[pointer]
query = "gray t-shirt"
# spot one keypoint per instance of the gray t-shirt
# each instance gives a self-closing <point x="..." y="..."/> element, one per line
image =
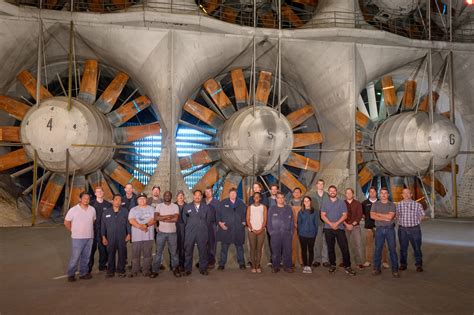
<point x="334" y="211"/>
<point x="143" y="216"/>
<point x="383" y="208"/>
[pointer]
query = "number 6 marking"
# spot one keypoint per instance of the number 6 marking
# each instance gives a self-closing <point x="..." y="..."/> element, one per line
<point x="452" y="139"/>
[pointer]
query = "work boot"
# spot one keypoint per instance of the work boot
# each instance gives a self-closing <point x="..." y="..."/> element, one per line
<point x="87" y="276"/>
<point x="176" y="273"/>
<point x="153" y="275"/>
<point x="316" y="264"/>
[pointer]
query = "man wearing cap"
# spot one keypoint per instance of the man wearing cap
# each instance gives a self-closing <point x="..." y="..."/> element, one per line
<point x="79" y="221"/>
<point x="115" y="233"/>
<point x="231" y="217"/>
<point x="213" y="204"/>
<point x="195" y="218"/>
<point x="142" y="220"/>
<point x="167" y="213"/>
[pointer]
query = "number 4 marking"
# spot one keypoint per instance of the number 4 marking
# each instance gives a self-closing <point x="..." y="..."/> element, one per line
<point x="50" y="124"/>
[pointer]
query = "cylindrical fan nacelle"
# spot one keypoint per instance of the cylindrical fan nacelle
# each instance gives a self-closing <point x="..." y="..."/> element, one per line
<point x="413" y="131"/>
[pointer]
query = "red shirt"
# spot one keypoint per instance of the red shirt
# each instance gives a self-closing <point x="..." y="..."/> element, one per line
<point x="354" y="212"/>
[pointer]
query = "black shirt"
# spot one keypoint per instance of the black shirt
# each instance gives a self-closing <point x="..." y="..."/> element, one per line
<point x="129" y="203"/>
<point x="366" y="207"/>
<point x="99" y="209"/>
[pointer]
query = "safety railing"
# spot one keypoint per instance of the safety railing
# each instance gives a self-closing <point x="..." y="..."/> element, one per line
<point x="463" y="31"/>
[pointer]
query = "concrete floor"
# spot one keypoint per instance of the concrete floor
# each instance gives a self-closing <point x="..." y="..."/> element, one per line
<point x="31" y="259"/>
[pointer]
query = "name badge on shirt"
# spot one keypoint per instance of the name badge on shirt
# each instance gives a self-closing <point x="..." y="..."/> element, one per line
<point x="275" y="214"/>
<point x="189" y="211"/>
<point x="227" y="206"/>
<point x="108" y="216"/>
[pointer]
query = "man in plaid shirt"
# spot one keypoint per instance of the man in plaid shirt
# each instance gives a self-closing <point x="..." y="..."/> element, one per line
<point x="409" y="216"/>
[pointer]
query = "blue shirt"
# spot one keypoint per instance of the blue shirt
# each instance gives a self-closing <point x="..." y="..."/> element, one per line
<point x="308" y="223"/>
<point x="334" y="211"/>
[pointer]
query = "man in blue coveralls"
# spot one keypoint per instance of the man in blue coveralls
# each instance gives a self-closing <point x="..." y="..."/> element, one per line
<point x="195" y="218"/>
<point x="231" y="217"/>
<point x="115" y="233"/>
<point x="213" y="204"/>
<point x="280" y="227"/>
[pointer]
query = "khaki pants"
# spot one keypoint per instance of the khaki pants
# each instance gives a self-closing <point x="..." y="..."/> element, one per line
<point x="256" y="245"/>
<point x="369" y="247"/>
<point x="296" y="249"/>
<point x="356" y="236"/>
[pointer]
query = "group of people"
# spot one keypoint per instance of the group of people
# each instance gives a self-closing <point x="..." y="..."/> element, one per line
<point x="304" y="229"/>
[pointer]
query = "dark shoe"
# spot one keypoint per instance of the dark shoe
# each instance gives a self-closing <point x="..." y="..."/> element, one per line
<point x="395" y="274"/>
<point x="349" y="271"/>
<point x="133" y="275"/>
<point x="102" y="268"/>
<point x="220" y="268"/>
<point x="204" y="272"/>
<point x="341" y="265"/>
<point x="71" y="278"/>
<point x="110" y="275"/>
<point x="210" y="267"/>
<point x="86" y="277"/>
<point x="176" y="273"/>
<point x="316" y="264"/>
<point x="153" y="275"/>
<point x="147" y="274"/>
<point x="242" y="267"/>
<point x="376" y="272"/>
<point x="289" y="270"/>
<point x="275" y="270"/>
<point x="419" y="269"/>
<point x="162" y="267"/>
<point x="326" y="264"/>
<point x="360" y="266"/>
<point x="181" y="269"/>
<point x="402" y="267"/>
<point x="187" y="273"/>
<point x="122" y="275"/>
<point x="332" y="269"/>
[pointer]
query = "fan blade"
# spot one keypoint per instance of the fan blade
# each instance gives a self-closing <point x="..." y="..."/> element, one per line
<point x="307" y="138"/>
<point x="289" y="15"/>
<point x="29" y="83"/>
<point x="203" y="113"/>
<point x="302" y="162"/>
<point x="263" y="88"/>
<point x="51" y="194"/>
<point x="446" y="114"/>
<point x="267" y="19"/>
<point x="449" y="168"/>
<point x="425" y="103"/>
<point x="364" y="122"/>
<point x="125" y="112"/>
<point x="106" y="101"/>
<point x="10" y="133"/>
<point x="122" y="176"/>
<point x="198" y="158"/>
<point x="232" y="180"/>
<point x="219" y="170"/>
<point x="13" y="159"/>
<point x="14" y="108"/>
<point x="290" y="181"/>
<point x="409" y="94"/>
<point x="229" y="15"/>
<point x="132" y="133"/>
<point x="396" y="188"/>
<point x="439" y="187"/>
<point x="240" y="87"/>
<point x="88" y="89"/>
<point x="210" y="6"/>
<point x="122" y="4"/>
<point x="370" y="170"/>
<point x="299" y="116"/>
<point x="78" y="186"/>
<point x="97" y="179"/>
<point x="311" y="3"/>
<point x="214" y="89"/>
<point x="389" y="94"/>
<point x="372" y="100"/>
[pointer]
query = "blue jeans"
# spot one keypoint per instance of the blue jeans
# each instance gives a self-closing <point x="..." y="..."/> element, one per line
<point x="172" y="240"/>
<point x="80" y="253"/>
<point x="410" y="235"/>
<point x="383" y="233"/>
<point x="240" y="254"/>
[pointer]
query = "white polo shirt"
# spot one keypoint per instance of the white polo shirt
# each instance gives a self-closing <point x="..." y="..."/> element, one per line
<point x="82" y="221"/>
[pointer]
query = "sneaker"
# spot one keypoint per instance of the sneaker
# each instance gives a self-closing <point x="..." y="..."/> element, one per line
<point x="259" y="270"/>
<point x="385" y="265"/>
<point x="395" y="274"/>
<point x="87" y="276"/>
<point x="367" y="264"/>
<point x="71" y="278"/>
<point x="310" y="270"/>
<point x="316" y="264"/>
<point x="254" y="270"/>
<point x="269" y="264"/>
<point x="349" y="271"/>
<point x="332" y="269"/>
<point x="176" y="273"/>
<point x="419" y="269"/>
<point x="326" y="264"/>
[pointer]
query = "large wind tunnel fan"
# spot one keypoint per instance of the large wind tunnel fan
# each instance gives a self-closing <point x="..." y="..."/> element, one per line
<point x="107" y="114"/>
<point x="396" y="139"/>
<point x="99" y="6"/>
<point x="294" y="13"/>
<point x="240" y="143"/>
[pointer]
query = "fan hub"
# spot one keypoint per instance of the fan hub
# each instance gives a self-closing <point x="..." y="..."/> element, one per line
<point x="51" y="129"/>
<point x="255" y="143"/>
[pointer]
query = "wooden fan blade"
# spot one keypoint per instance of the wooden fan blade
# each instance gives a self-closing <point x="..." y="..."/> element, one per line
<point x="14" y="108"/>
<point x="290" y="181"/>
<point x="122" y="176"/>
<point x="263" y="88"/>
<point x="203" y="113"/>
<point x="51" y="194"/>
<point x="125" y="112"/>
<point x="409" y="94"/>
<point x="307" y="138"/>
<point x="106" y="101"/>
<point x="132" y="133"/>
<point x="240" y="87"/>
<point x="88" y="90"/>
<point x="29" y="83"/>
<point x="97" y="179"/>
<point x="396" y="188"/>
<point x="302" y="162"/>
<point x="10" y="133"/>
<point x="198" y="158"/>
<point x="289" y="15"/>
<point x="370" y="170"/>
<point x="299" y="116"/>
<point x="13" y="159"/>
<point x="214" y="89"/>
<point x="425" y="102"/>
<point x="232" y="180"/>
<point x="439" y="187"/>
<point x="217" y="171"/>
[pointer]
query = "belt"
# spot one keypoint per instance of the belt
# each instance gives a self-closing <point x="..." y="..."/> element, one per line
<point x="410" y="227"/>
<point x="386" y="226"/>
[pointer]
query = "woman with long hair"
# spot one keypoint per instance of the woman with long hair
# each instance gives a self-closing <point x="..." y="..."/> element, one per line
<point x="256" y="223"/>
<point x="307" y="231"/>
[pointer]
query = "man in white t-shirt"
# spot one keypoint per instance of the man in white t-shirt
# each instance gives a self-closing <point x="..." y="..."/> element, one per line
<point x="80" y="221"/>
<point x="142" y="220"/>
<point x="167" y="213"/>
